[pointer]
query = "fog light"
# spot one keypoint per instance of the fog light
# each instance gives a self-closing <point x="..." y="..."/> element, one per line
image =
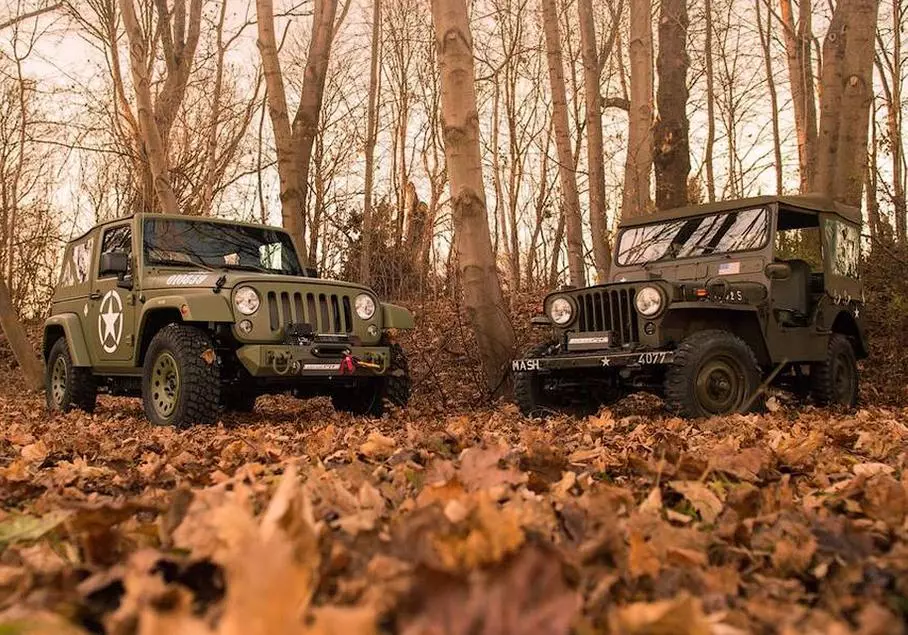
<point x="372" y="330"/>
<point x="245" y="326"/>
<point x="649" y="328"/>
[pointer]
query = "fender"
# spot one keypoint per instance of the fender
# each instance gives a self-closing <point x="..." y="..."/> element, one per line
<point x="844" y="322"/>
<point x="207" y="307"/>
<point x="746" y="323"/>
<point x="396" y="317"/>
<point x="72" y="331"/>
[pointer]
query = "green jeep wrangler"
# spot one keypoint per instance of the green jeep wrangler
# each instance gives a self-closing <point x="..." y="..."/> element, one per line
<point x="202" y="315"/>
<point x="708" y="305"/>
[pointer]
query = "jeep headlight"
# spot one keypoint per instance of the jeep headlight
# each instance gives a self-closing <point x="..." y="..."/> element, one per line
<point x="365" y="306"/>
<point x="561" y="311"/>
<point x="649" y="301"/>
<point x="246" y="300"/>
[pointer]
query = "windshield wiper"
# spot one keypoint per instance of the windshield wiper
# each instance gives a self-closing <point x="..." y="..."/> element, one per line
<point x="175" y="262"/>
<point x="248" y="268"/>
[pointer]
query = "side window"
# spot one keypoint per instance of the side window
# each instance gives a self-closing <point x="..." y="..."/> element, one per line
<point x="798" y="238"/>
<point x="844" y="243"/>
<point x="117" y="239"/>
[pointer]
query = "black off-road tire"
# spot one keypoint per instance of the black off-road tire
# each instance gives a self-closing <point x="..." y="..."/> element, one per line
<point x="370" y="396"/>
<point x="198" y="386"/>
<point x="834" y="381"/>
<point x="714" y="373"/>
<point x="76" y="388"/>
<point x="234" y="399"/>
<point x="528" y="393"/>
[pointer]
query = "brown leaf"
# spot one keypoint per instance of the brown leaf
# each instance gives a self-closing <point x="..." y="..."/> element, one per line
<point x="480" y="469"/>
<point x="885" y="499"/>
<point x="642" y="558"/>
<point x="680" y="616"/>
<point x="377" y="446"/>
<point x="34" y="452"/>
<point x="701" y="497"/>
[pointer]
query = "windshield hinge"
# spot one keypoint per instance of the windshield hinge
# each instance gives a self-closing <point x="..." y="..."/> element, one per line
<point x="219" y="283"/>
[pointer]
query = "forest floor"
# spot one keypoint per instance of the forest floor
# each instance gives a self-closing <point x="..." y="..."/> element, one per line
<point x="454" y="516"/>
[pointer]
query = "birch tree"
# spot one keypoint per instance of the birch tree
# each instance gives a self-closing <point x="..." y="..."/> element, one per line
<point x="482" y="295"/>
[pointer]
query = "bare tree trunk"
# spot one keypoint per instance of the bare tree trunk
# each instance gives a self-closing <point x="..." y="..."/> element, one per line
<point x="594" y="144"/>
<point x="847" y="92"/>
<point x="798" y="46"/>
<point x="18" y="341"/>
<point x="567" y="164"/>
<point x="371" y="134"/>
<point x="671" y="145"/>
<point x="151" y="137"/>
<point x="710" y="104"/>
<point x="288" y="165"/>
<point x="639" y="162"/>
<point x="483" y="300"/>
<point x="305" y="123"/>
<point x="766" y="44"/>
<point x="871" y="186"/>
<point x="179" y="41"/>
<point x="212" y="142"/>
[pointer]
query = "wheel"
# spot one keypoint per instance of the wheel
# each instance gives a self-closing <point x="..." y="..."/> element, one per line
<point x="368" y="396"/>
<point x="713" y="373"/>
<point x="835" y="380"/>
<point x="67" y="386"/>
<point x="236" y="400"/>
<point x="528" y="386"/>
<point x="180" y="381"/>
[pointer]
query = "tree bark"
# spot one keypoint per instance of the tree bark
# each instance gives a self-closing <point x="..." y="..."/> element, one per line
<point x="594" y="144"/>
<point x="482" y="299"/>
<point x="639" y="163"/>
<point x="766" y="44"/>
<point x="305" y="123"/>
<point x="671" y="145"/>
<point x="288" y="165"/>
<point x="710" y="104"/>
<point x="18" y="341"/>
<point x="567" y="164"/>
<point x="365" y="265"/>
<point x="179" y="42"/>
<point x="154" y="147"/>
<point x="798" y="47"/>
<point x="847" y="93"/>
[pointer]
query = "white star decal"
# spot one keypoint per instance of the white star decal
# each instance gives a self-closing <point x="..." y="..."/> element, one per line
<point x="110" y="321"/>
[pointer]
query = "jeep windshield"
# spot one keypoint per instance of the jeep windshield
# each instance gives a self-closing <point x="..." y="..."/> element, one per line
<point x="204" y="244"/>
<point x="725" y="233"/>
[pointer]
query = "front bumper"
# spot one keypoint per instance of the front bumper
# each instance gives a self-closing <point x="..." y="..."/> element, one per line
<point x="603" y="359"/>
<point x="288" y="360"/>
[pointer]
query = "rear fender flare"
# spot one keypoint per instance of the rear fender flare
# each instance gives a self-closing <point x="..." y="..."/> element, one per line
<point x="72" y="331"/>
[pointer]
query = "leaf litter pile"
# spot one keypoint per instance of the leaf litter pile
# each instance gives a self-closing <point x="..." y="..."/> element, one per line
<point x="299" y="520"/>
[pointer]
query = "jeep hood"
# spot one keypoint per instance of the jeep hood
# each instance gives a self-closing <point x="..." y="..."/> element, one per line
<point x="199" y="279"/>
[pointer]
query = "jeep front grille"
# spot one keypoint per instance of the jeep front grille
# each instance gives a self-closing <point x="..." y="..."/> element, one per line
<point x="608" y="311"/>
<point x="325" y="312"/>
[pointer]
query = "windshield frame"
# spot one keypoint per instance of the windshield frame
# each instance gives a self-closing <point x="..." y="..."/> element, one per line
<point x="766" y="209"/>
<point x="150" y="263"/>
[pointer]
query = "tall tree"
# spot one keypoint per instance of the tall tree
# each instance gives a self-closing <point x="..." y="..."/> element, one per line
<point x="294" y="141"/>
<point x="567" y="163"/>
<point x="798" y="42"/>
<point x="151" y="127"/>
<point x="847" y="93"/>
<point x="639" y="163"/>
<point x="483" y="300"/>
<point x="18" y="341"/>
<point x="371" y="134"/>
<point x="765" y="33"/>
<point x="595" y="151"/>
<point x="890" y="65"/>
<point x="710" y="73"/>
<point x="671" y="145"/>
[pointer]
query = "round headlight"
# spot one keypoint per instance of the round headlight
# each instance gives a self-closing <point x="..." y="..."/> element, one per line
<point x="246" y="300"/>
<point x="365" y="306"/>
<point x="649" y="301"/>
<point x="561" y="311"/>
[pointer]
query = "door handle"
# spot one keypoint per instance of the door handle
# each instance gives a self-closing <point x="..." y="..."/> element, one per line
<point x="95" y="296"/>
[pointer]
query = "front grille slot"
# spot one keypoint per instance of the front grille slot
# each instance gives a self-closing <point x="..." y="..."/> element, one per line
<point x="608" y="311"/>
<point x="326" y="313"/>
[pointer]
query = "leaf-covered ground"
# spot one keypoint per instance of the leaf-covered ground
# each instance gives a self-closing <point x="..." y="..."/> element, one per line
<point x="452" y="517"/>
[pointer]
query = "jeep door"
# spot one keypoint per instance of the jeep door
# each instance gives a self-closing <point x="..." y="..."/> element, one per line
<point x="109" y="315"/>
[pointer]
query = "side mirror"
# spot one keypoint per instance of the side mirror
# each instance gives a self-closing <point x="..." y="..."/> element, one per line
<point x="114" y="262"/>
<point x="778" y="271"/>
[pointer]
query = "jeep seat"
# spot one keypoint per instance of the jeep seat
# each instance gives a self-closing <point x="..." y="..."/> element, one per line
<point x="792" y="296"/>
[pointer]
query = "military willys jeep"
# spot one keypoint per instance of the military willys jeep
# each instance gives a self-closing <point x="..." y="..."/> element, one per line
<point x="707" y="306"/>
<point x="203" y="315"/>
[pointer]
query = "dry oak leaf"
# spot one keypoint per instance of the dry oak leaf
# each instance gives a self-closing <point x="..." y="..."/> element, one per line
<point x="480" y="469"/>
<point x="34" y="452"/>
<point x="799" y="452"/>
<point x="492" y="534"/>
<point x="682" y="615"/>
<point x="704" y="500"/>
<point x="885" y="499"/>
<point x="525" y="594"/>
<point x="642" y="558"/>
<point x="377" y="446"/>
